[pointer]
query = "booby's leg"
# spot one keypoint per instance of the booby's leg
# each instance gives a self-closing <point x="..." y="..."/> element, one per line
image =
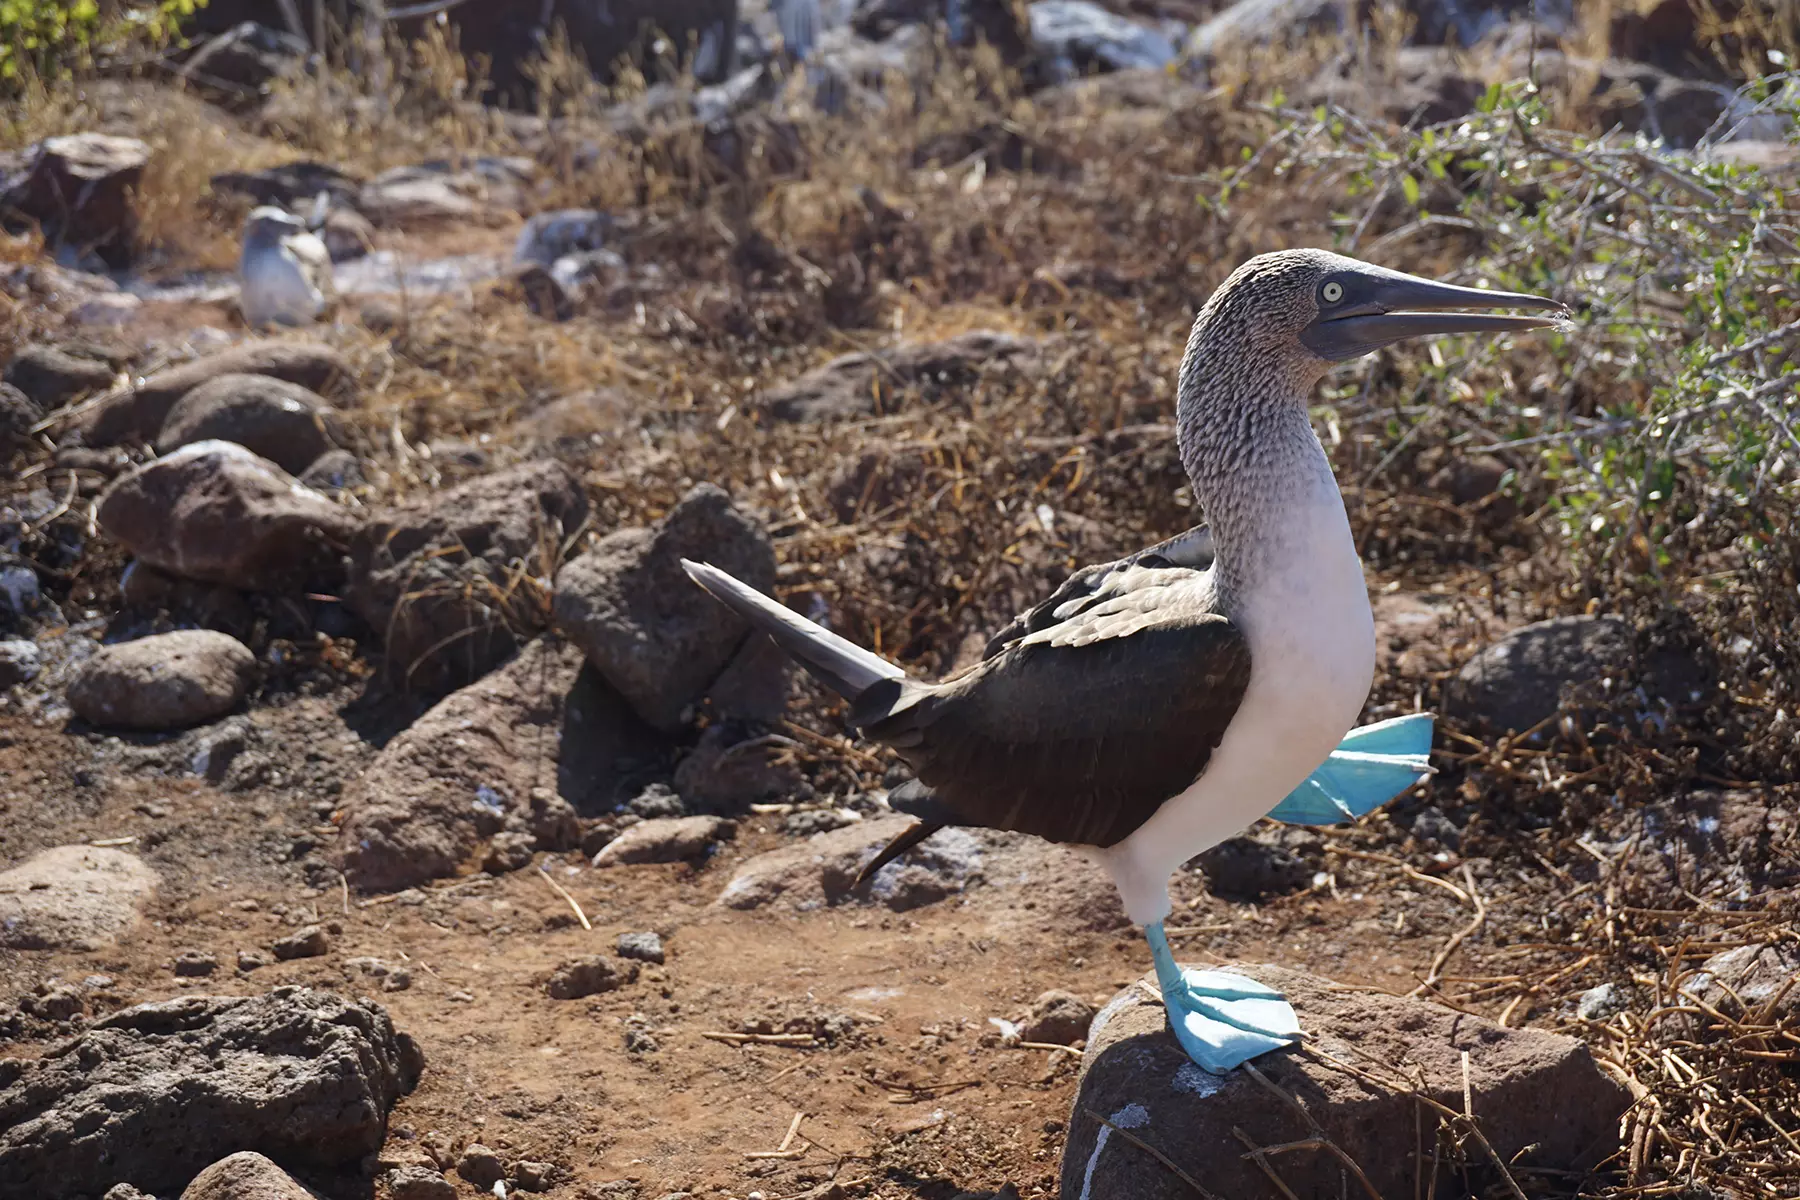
<point x="1220" y="1018"/>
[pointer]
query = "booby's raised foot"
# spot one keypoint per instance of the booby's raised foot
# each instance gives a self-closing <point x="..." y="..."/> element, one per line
<point x="1372" y="764"/>
<point x="1221" y="1018"/>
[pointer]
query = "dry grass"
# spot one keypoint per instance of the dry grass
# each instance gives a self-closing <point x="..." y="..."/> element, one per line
<point x="1096" y="225"/>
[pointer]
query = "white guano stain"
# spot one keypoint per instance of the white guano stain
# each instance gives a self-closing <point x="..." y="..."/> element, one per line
<point x="1132" y="1116"/>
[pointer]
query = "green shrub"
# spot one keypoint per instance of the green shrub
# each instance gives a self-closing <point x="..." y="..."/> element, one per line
<point x="47" y="37"/>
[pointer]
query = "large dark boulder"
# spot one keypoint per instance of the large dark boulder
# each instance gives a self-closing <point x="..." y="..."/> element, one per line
<point x="152" y="1095"/>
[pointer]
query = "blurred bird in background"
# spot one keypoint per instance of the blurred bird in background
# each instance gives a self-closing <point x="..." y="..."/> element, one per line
<point x="284" y="269"/>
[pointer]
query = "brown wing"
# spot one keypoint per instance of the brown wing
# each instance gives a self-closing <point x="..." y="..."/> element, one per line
<point x="1192" y="549"/>
<point x="1079" y="731"/>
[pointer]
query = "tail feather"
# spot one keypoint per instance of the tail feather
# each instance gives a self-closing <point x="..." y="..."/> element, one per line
<point x="1371" y="766"/>
<point x="841" y="665"/>
<point x="894" y="849"/>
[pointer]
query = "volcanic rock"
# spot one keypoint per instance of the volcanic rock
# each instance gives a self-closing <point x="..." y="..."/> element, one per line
<point x="283" y="422"/>
<point x="164" y="681"/>
<point x="151" y="1095"/>
<point x="72" y="898"/>
<point x="1540" y="1098"/>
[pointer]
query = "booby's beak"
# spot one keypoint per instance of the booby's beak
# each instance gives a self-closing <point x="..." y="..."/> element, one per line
<point x="1366" y="309"/>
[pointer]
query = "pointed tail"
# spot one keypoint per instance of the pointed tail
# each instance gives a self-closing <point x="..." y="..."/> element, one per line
<point x="1371" y="766"/>
<point x="841" y="665"/>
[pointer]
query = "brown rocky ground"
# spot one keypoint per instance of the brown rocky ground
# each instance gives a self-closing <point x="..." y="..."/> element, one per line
<point x="1014" y="281"/>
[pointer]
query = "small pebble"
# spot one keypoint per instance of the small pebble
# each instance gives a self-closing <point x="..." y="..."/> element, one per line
<point x="250" y="960"/>
<point x="195" y="962"/>
<point x="645" y="947"/>
<point x="308" y="942"/>
<point x="1599" y="1003"/>
<point x="480" y="1166"/>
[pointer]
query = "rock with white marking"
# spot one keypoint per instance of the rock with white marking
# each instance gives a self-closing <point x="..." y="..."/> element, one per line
<point x="1541" y="1100"/>
<point x="72" y="898"/>
<point x="165" y="681"/>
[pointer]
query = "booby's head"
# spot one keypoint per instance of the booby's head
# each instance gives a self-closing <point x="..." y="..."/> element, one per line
<point x="1309" y="309"/>
<point x="270" y="223"/>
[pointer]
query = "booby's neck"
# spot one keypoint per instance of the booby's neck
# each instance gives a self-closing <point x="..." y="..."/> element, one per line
<point x="1255" y="465"/>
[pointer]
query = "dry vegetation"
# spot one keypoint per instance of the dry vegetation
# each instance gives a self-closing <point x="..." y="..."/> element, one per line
<point x="1653" y="456"/>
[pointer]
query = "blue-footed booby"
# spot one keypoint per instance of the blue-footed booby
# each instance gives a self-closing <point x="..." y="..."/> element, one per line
<point x="1155" y="706"/>
<point x="284" y="269"/>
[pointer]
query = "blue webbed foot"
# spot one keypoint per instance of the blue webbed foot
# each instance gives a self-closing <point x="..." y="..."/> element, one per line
<point x="1372" y="765"/>
<point x="1220" y="1018"/>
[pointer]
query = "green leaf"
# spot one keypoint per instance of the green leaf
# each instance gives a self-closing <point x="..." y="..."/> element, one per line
<point x="1410" y="187"/>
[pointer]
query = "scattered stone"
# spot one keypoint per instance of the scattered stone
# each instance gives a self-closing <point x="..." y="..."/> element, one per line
<point x="549" y="236"/>
<point x="18" y="413"/>
<point x="1432" y="827"/>
<point x="393" y="978"/>
<point x="417" y="1183"/>
<point x="80" y="188"/>
<point x="649" y="630"/>
<point x="458" y="775"/>
<point x="1599" y="1003"/>
<point x="530" y="1176"/>
<point x="1252" y="23"/>
<point x="20" y="596"/>
<point x="821" y="870"/>
<point x="732" y="768"/>
<point x="1272" y="863"/>
<point x="250" y="960"/>
<point x="347" y="234"/>
<point x="645" y="947"/>
<point x="865" y="384"/>
<point x="138" y="415"/>
<point x="1057" y="1018"/>
<point x="665" y="840"/>
<point x="195" y="963"/>
<point x="54" y="1001"/>
<point x="510" y="850"/>
<point x="334" y="471"/>
<point x="809" y="821"/>
<point x="154" y="1094"/>
<point x="590" y="976"/>
<point x="51" y="377"/>
<point x="308" y="942"/>
<point x="237" y="68"/>
<point x="439" y="192"/>
<point x="19" y="662"/>
<point x="280" y="421"/>
<point x="657" y="800"/>
<point x="72" y="898"/>
<point x="1418" y="85"/>
<point x="246" y="1175"/>
<point x="292" y="185"/>
<point x="480" y="1166"/>
<point x="439" y="578"/>
<point x="1761" y="983"/>
<point x="1542" y="1101"/>
<point x="124" y="1191"/>
<point x="164" y="681"/>
<point x="215" y="512"/>
<point x="1521" y="680"/>
<point x="1081" y="38"/>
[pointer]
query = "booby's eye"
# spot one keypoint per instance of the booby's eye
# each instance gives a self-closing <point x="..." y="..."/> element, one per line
<point x="1332" y="292"/>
